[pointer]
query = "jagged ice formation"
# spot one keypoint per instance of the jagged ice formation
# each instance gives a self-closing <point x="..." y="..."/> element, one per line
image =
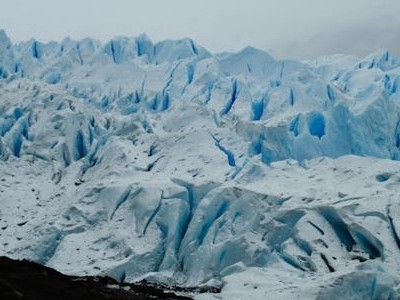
<point x="162" y="160"/>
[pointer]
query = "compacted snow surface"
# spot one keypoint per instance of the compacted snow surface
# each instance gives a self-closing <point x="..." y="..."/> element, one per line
<point x="273" y="179"/>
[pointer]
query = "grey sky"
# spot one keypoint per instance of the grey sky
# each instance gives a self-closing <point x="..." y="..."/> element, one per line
<point x="287" y="28"/>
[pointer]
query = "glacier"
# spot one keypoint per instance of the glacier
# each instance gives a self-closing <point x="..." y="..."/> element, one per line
<point x="265" y="177"/>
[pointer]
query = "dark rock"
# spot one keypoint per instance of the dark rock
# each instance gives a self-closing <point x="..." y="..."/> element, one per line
<point x="28" y="280"/>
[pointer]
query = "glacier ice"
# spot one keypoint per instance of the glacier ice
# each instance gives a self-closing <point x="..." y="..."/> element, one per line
<point x="164" y="161"/>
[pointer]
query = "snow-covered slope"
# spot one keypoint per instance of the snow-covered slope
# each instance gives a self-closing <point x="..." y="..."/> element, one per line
<point x="239" y="170"/>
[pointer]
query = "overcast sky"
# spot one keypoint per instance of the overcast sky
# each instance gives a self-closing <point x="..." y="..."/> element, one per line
<point x="287" y="28"/>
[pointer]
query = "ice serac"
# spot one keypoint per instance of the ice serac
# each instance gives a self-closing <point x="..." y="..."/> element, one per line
<point x="250" y="61"/>
<point x="8" y="64"/>
<point x="121" y="49"/>
<point x="163" y="161"/>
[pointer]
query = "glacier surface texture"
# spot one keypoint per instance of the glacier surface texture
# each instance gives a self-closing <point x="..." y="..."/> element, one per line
<point x="278" y="179"/>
